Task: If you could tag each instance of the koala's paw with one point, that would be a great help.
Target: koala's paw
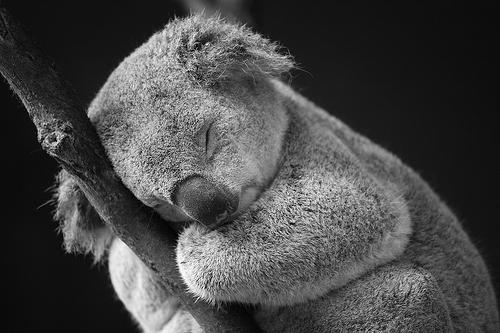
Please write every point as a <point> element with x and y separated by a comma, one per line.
<point>82,228</point>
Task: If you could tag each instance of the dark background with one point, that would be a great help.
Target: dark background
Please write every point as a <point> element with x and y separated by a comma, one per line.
<point>419,79</point>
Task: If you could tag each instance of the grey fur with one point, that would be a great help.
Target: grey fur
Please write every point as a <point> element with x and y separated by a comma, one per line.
<point>81,226</point>
<point>334,233</point>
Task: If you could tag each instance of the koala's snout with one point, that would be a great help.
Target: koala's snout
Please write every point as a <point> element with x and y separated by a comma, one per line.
<point>209,203</point>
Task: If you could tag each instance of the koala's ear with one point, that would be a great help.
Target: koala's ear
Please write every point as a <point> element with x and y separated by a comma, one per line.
<point>213,51</point>
<point>82,228</point>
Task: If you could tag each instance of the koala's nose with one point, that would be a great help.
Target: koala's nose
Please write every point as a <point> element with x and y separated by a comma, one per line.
<point>208,203</point>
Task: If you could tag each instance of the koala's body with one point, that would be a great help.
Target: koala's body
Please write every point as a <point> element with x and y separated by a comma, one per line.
<point>277,204</point>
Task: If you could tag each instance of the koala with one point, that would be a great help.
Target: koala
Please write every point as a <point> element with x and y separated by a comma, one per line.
<point>277,204</point>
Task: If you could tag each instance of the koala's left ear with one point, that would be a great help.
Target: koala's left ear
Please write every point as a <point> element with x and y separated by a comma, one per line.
<point>82,228</point>
<point>213,51</point>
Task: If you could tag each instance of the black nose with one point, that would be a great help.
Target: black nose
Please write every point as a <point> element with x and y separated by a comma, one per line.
<point>208,203</point>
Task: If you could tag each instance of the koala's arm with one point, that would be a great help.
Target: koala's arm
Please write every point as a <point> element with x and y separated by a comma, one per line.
<point>395,298</point>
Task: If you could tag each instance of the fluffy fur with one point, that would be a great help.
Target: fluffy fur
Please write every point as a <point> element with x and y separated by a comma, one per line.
<point>81,226</point>
<point>333,233</point>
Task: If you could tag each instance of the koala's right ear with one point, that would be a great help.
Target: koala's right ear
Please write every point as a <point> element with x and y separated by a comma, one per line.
<point>212,50</point>
<point>82,228</point>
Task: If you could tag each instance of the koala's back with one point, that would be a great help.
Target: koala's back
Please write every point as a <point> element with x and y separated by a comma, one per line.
<point>438,243</point>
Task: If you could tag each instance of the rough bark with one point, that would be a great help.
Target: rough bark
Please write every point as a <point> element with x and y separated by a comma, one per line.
<point>66,134</point>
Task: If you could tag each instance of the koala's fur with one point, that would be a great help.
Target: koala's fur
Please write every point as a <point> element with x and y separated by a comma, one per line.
<point>333,233</point>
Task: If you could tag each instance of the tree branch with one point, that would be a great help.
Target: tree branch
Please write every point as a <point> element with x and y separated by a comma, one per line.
<point>66,134</point>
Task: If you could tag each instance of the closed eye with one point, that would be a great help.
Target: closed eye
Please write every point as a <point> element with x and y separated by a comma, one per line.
<point>208,140</point>
<point>211,141</point>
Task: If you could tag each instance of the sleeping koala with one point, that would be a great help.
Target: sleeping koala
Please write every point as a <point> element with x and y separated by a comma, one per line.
<point>277,204</point>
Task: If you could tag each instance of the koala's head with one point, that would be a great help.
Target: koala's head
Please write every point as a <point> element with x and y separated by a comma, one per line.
<point>190,122</point>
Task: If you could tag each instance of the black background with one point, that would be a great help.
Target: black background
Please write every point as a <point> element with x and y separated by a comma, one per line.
<point>420,79</point>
